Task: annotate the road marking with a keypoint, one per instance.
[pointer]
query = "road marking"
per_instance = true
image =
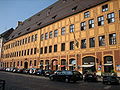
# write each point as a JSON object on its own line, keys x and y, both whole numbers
{"x": 107, "y": 87}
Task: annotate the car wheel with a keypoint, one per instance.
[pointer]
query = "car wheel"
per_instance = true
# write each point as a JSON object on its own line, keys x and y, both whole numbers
{"x": 66, "y": 80}
{"x": 51, "y": 78}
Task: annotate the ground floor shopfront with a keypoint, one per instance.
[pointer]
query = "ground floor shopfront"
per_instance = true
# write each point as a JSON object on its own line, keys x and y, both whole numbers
{"x": 106, "y": 61}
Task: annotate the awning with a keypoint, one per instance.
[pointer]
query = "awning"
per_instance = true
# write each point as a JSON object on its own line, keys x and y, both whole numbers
{"x": 87, "y": 65}
{"x": 107, "y": 64}
{"x": 62, "y": 65}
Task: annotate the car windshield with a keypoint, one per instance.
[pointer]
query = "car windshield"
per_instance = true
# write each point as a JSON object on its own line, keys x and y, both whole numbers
{"x": 75, "y": 72}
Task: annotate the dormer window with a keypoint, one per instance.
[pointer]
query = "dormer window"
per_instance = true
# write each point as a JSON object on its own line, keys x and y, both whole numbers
{"x": 87, "y": 14}
{"x": 39, "y": 23}
{"x": 74, "y": 8}
{"x": 105, "y": 8}
{"x": 19, "y": 33}
{"x": 54, "y": 17}
{"x": 27, "y": 29}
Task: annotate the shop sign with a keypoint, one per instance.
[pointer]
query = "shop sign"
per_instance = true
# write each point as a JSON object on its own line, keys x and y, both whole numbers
{"x": 118, "y": 67}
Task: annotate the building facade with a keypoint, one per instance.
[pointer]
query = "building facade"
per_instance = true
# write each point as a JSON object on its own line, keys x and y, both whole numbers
{"x": 81, "y": 35}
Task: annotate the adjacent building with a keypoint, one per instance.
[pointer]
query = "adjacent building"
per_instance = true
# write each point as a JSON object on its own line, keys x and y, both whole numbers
{"x": 70, "y": 34}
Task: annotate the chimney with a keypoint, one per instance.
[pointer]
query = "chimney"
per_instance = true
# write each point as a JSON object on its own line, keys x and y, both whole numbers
{"x": 19, "y": 23}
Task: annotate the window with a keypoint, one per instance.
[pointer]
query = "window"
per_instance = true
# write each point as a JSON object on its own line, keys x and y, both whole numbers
{"x": 112, "y": 39}
{"x": 46, "y": 35}
{"x": 87, "y": 14}
{"x": 21, "y": 63}
{"x": 28, "y": 52}
{"x": 105, "y": 8}
{"x": 31, "y": 51}
{"x": 30, "y": 63}
{"x": 41, "y": 50}
{"x": 111, "y": 17}
{"x": 55, "y": 33}
{"x": 83, "y": 26}
{"x": 74, "y": 8}
{"x": 25, "y": 52}
{"x": 18, "y": 63}
{"x": 50, "y": 49}
{"x": 35, "y": 37}
{"x": 19, "y": 53}
{"x": 100, "y": 21}
{"x": 101, "y": 40}
{"x": 35, "y": 63}
{"x": 92, "y": 42}
{"x": 72, "y": 28}
{"x": 63, "y": 47}
{"x": 91, "y": 23}
{"x": 55, "y": 48}
{"x": 50, "y": 34}
{"x": 25, "y": 40}
{"x": 28, "y": 39}
{"x": 83, "y": 43}
{"x": 32, "y": 38}
{"x": 45, "y": 50}
{"x": 72, "y": 45}
{"x": 63, "y": 31}
{"x": 42, "y": 37}
{"x": 35, "y": 50}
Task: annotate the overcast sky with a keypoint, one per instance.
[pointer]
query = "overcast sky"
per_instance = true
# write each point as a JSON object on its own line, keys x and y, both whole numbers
{"x": 12, "y": 11}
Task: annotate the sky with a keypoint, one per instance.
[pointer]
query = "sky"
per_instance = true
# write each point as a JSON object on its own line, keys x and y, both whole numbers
{"x": 12, "y": 11}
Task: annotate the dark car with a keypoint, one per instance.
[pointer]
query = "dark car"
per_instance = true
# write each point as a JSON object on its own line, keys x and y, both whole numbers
{"x": 20, "y": 70}
{"x": 66, "y": 76}
{"x": 90, "y": 77}
{"x": 25, "y": 71}
{"x": 48, "y": 73}
{"x": 15, "y": 70}
{"x": 39, "y": 72}
{"x": 110, "y": 80}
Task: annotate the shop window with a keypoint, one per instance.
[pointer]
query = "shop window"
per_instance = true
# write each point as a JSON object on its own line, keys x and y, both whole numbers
{"x": 63, "y": 47}
{"x": 46, "y": 36}
{"x": 92, "y": 42}
{"x": 45, "y": 50}
{"x": 72, "y": 28}
{"x": 50, "y": 49}
{"x": 101, "y": 40}
{"x": 83, "y": 43}
{"x": 72, "y": 45}
{"x": 111, "y": 17}
{"x": 112, "y": 39}
{"x": 105, "y": 8}
{"x": 55, "y": 33}
{"x": 100, "y": 20}
{"x": 41, "y": 50}
{"x": 87, "y": 14}
{"x": 18, "y": 63}
{"x": 42, "y": 37}
{"x": 55, "y": 48}
{"x": 83, "y": 26}
{"x": 35, "y": 63}
{"x": 91, "y": 23}
{"x": 50, "y": 34}
{"x": 63, "y": 31}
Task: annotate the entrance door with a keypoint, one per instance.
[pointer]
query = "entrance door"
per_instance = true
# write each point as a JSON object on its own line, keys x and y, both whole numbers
{"x": 26, "y": 65}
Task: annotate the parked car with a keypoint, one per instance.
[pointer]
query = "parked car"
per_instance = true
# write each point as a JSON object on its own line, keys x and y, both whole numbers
{"x": 2, "y": 69}
{"x": 26, "y": 71}
{"x": 15, "y": 70}
{"x": 110, "y": 80}
{"x": 39, "y": 72}
{"x": 32, "y": 70}
{"x": 48, "y": 73}
{"x": 20, "y": 70}
{"x": 89, "y": 77}
{"x": 66, "y": 76}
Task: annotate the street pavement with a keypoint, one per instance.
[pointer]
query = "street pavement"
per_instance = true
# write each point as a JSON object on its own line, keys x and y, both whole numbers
{"x": 15, "y": 81}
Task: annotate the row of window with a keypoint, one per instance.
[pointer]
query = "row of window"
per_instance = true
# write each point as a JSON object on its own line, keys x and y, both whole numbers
{"x": 21, "y": 53}
{"x": 101, "y": 39}
{"x": 21, "y": 42}
{"x": 91, "y": 23}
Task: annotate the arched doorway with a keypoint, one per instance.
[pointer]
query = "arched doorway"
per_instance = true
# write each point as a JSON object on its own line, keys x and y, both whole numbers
{"x": 108, "y": 64}
{"x": 88, "y": 64}
{"x": 72, "y": 64}
{"x": 63, "y": 64}
{"x": 54, "y": 64}
{"x": 26, "y": 65}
